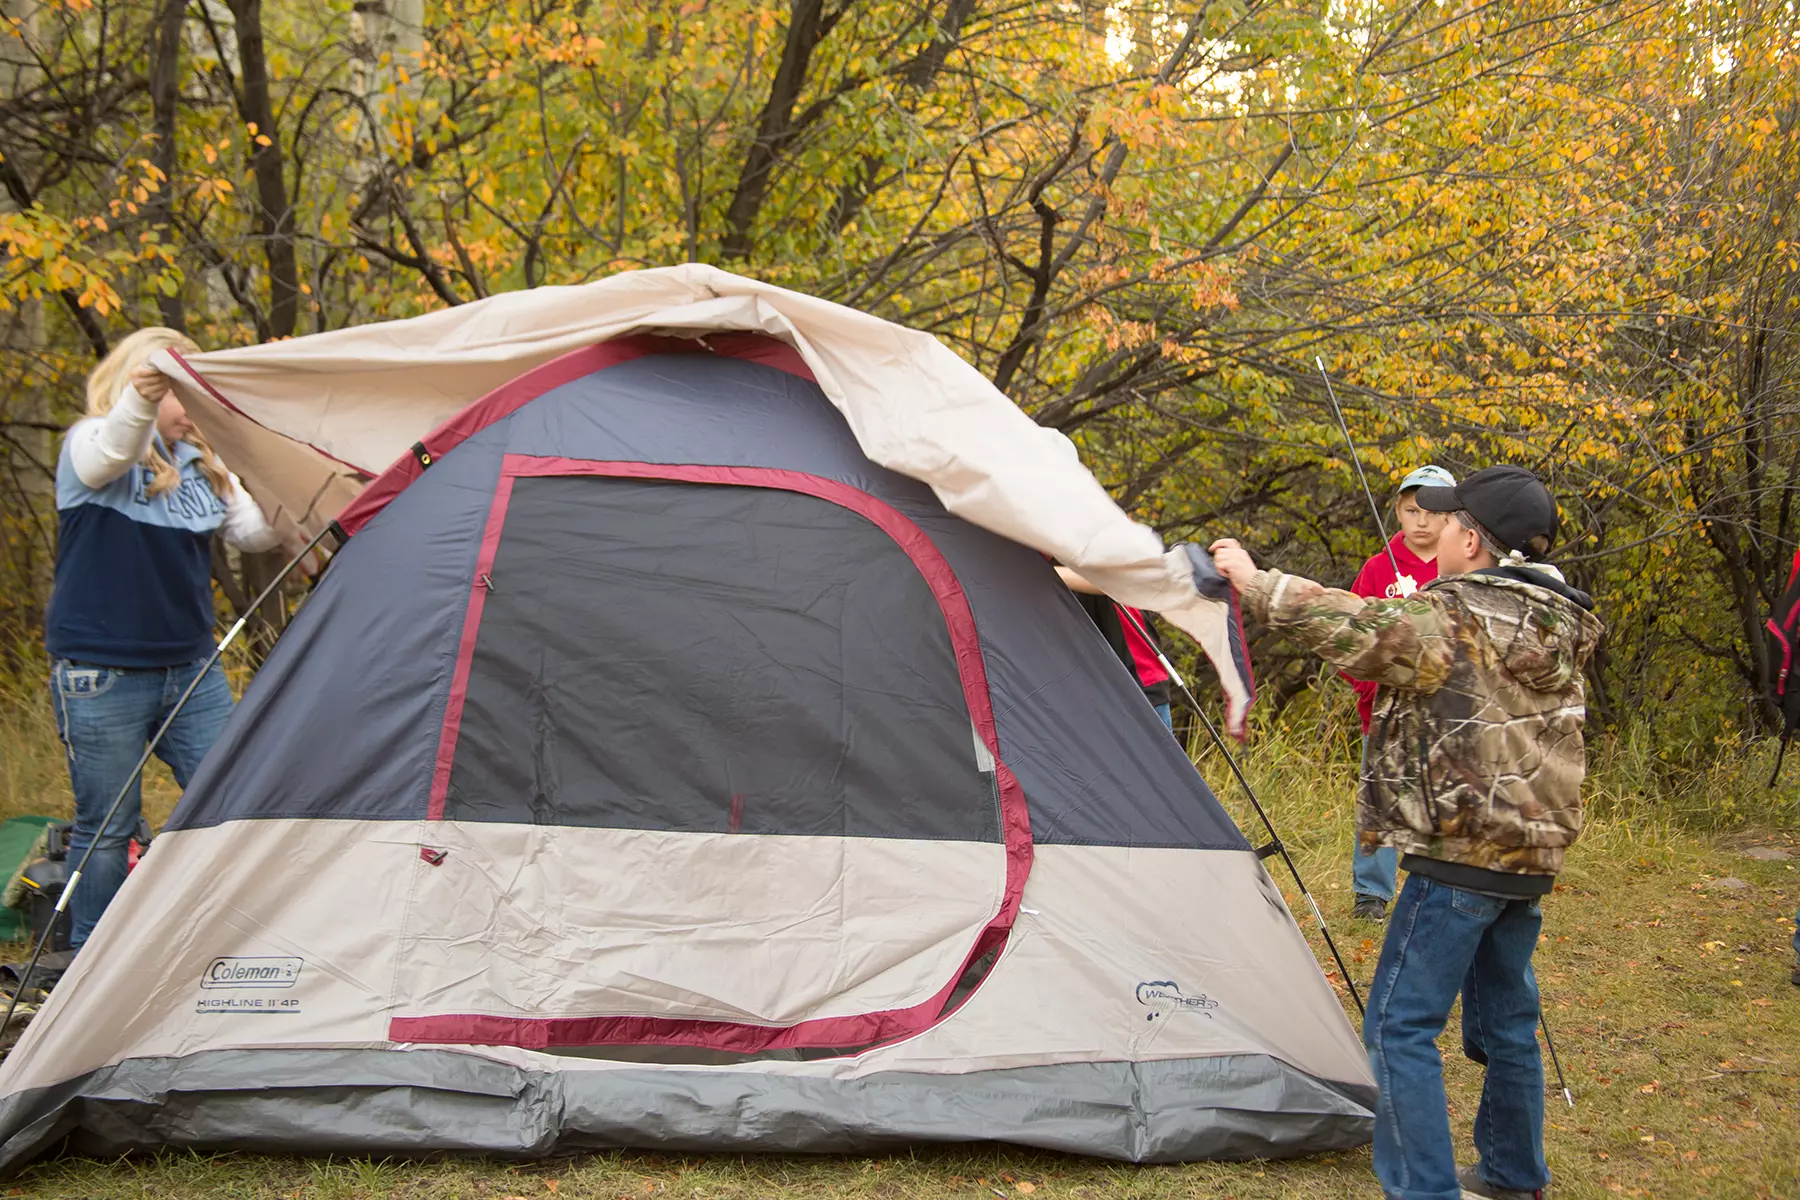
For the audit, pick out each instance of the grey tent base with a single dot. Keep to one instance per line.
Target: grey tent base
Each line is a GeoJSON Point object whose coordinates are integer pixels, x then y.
{"type": "Point", "coordinates": [438, 1101]}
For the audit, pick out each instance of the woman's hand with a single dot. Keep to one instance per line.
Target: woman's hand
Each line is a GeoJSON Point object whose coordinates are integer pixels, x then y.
{"type": "Point", "coordinates": [150, 383]}
{"type": "Point", "coordinates": [1233, 562]}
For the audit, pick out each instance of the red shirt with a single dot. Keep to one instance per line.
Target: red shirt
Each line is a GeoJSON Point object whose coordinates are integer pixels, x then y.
{"type": "Point", "coordinates": [1146, 664]}
{"type": "Point", "coordinates": [1377, 579]}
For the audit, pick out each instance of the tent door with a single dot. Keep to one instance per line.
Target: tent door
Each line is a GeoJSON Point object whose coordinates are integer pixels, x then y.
{"type": "Point", "coordinates": [717, 770]}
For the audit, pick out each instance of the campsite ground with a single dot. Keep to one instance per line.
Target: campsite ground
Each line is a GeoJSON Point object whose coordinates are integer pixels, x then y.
{"type": "Point", "coordinates": [1664, 970]}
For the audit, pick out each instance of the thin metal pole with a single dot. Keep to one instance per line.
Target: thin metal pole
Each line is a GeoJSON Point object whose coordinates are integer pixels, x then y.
{"type": "Point", "coordinates": [1356, 461]}
{"type": "Point", "coordinates": [1554, 1061]}
{"type": "Point", "coordinates": [143, 761]}
{"type": "Point", "coordinates": [1231, 761]}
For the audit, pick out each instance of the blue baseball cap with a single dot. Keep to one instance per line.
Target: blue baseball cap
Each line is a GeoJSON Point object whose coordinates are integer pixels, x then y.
{"type": "Point", "coordinates": [1429, 475]}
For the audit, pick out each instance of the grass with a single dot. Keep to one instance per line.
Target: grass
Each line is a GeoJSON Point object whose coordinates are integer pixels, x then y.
{"type": "Point", "coordinates": [1664, 971]}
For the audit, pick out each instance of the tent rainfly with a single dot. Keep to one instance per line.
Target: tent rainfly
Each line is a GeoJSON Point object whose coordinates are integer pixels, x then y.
{"type": "Point", "coordinates": [688, 747]}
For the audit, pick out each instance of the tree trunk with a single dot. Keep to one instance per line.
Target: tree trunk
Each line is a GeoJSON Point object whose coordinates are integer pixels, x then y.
{"type": "Point", "coordinates": [274, 215]}
{"type": "Point", "coordinates": [165, 98]}
{"type": "Point", "coordinates": [28, 450]}
{"type": "Point", "coordinates": [807, 27]}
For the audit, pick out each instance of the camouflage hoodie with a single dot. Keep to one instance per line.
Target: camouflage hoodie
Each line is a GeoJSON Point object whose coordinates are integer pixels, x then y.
{"type": "Point", "coordinates": [1475, 755]}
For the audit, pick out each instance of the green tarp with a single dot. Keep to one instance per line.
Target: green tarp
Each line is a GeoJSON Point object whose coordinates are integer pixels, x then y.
{"type": "Point", "coordinates": [17, 836]}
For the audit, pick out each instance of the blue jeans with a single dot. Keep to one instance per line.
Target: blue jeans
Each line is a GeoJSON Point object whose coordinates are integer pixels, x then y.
{"type": "Point", "coordinates": [1442, 940]}
{"type": "Point", "coordinates": [1168, 716]}
{"type": "Point", "coordinates": [1373, 871]}
{"type": "Point", "coordinates": [105, 717]}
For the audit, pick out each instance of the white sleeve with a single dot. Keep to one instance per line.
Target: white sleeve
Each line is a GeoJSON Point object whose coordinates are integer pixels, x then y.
{"type": "Point", "coordinates": [245, 526]}
{"type": "Point", "coordinates": [104, 448]}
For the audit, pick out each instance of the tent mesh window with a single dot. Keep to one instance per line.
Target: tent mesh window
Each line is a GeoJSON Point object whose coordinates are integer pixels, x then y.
{"type": "Point", "coordinates": [702, 658]}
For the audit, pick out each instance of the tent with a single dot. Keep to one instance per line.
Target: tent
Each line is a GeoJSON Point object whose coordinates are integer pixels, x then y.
{"type": "Point", "coordinates": [688, 747]}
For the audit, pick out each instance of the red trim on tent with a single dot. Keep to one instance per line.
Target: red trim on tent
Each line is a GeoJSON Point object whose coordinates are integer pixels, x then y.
{"type": "Point", "coordinates": [465, 649]}
{"type": "Point", "coordinates": [508, 398]}
{"type": "Point", "coordinates": [1242, 649]}
{"type": "Point", "coordinates": [540, 1033]}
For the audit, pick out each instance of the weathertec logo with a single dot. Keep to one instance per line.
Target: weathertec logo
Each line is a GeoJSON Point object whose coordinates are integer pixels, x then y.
{"type": "Point", "coordinates": [1163, 996]}
{"type": "Point", "coordinates": [252, 972]}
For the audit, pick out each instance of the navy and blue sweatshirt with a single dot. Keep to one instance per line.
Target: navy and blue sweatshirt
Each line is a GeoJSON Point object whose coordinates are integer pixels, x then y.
{"type": "Point", "coordinates": [134, 571]}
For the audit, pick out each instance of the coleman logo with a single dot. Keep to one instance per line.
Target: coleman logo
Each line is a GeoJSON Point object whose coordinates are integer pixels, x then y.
{"type": "Point", "coordinates": [251, 972]}
{"type": "Point", "coordinates": [1164, 996]}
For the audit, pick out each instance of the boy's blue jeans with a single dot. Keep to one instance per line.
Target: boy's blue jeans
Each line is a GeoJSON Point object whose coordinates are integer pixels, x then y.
{"type": "Point", "coordinates": [1443, 940]}
{"type": "Point", "coordinates": [105, 717]}
{"type": "Point", "coordinates": [1374, 871]}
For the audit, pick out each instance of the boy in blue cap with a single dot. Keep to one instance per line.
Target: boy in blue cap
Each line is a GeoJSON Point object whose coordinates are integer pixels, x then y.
{"type": "Point", "coordinates": [1407, 564]}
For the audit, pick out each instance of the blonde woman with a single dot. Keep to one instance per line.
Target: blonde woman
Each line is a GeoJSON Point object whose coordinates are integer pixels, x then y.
{"type": "Point", "coordinates": [139, 496]}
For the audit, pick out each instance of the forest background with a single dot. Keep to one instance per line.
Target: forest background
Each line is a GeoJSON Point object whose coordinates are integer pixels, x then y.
{"type": "Point", "coordinates": [1551, 232]}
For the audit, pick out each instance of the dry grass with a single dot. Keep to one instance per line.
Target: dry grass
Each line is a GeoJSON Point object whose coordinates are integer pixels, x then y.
{"type": "Point", "coordinates": [1664, 969]}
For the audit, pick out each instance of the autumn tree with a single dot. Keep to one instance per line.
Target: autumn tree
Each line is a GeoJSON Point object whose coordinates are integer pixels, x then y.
{"type": "Point", "coordinates": [1512, 231]}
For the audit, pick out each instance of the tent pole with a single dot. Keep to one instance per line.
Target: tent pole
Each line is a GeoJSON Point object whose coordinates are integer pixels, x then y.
{"type": "Point", "coordinates": [1275, 841]}
{"type": "Point", "coordinates": [143, 761]}
{"type": "Point", "coordinates": [1555, 1061]}
{"type": "Point", "coordinates": [1356, 461]}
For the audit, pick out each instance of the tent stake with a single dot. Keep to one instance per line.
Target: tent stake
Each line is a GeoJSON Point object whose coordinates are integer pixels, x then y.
{"type": "Point", "coordinates": [1279, 847]}
{"type": "Point", "coordinates": [143, 761]}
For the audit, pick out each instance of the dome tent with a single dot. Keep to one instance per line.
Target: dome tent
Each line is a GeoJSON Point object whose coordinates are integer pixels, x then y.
{"type": "Point", "coordinates": [688, 747]}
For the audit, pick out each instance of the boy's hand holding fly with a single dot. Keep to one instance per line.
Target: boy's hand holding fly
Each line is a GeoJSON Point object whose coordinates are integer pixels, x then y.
{"type": "Point", "coordinates": [1233, 562]}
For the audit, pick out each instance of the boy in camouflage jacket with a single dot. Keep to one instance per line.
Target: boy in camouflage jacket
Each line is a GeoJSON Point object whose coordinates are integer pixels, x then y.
{"type": "Point", "coordinates": [1473, 773]}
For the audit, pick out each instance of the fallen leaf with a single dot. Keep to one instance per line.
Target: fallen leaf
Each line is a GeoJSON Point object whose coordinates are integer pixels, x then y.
{"type": "Point", "coordinates": [1762, 1002]}
{"type": "Point", "coordinates": [1024, 1188]}
{"type": "Point", "coordinates": [1651, 1086]}
{"type": "Point", "coordinates": [552, 1184]}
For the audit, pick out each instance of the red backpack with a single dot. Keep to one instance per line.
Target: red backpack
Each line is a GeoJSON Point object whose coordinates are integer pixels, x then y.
{"type": "Point", "coordinates": [1784, 629]}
